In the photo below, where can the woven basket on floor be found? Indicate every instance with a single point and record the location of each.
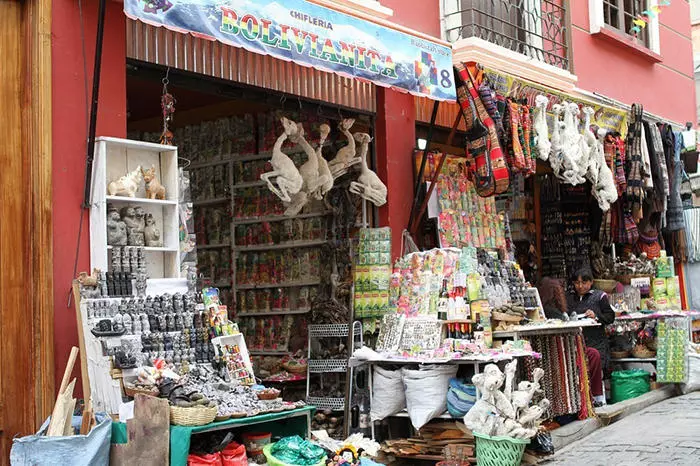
(499, 451)
(195, 416)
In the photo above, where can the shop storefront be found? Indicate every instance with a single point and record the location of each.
(277, 254)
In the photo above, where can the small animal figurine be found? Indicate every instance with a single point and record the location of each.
(151, 233)
(89, 280)
(154, 190)
(127, 185)
(116, 230)
(368, 185)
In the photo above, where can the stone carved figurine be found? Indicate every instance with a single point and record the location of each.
(116, 230)
(127, 185)
(284, 172)
(152, 233)
(154, 190)
(133, 227)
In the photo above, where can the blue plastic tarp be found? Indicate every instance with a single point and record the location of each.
(76, 450)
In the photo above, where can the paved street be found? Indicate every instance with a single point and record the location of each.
(667, 433)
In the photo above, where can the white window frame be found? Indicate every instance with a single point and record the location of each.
(597, 23)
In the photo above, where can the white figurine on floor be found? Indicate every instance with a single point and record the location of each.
(284, 172)
(368, 185)
(506, 413)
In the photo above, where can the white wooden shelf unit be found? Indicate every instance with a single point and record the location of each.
(113, 159)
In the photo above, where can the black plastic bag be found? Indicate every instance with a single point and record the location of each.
(542, 443)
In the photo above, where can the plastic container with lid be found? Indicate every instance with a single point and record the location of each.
(255, 442)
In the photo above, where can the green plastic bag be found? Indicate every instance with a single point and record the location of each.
(297, 451)
(629, 384)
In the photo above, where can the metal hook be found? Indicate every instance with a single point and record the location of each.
(165, 80)
(283, 99)
(299, 100)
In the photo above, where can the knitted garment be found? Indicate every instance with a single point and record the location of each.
(528, 142)
(488, 97)
(634, 194)
(647, 176)
(674, 214)
(516, 149)
(692, 233)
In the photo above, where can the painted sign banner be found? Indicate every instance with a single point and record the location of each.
(311, 35)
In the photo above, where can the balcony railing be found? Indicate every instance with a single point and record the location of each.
(537, 29)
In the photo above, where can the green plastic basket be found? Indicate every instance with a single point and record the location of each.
(499, 451)
(272, 461)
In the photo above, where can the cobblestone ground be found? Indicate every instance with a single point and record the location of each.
(667, 433)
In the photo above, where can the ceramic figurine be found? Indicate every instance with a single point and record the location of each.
(368, 185)
(154, 190)
(345, 158)
(151, 233)
(116, 230)
(284, 172)
(127, 185)
(89, 280)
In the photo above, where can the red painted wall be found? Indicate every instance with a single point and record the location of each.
(423, 15)
(69, 108)
(395, 141)
(666, 88)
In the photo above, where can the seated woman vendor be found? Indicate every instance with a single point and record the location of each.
(594, 304)
(558, 306)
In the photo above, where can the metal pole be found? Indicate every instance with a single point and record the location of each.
(93, 108)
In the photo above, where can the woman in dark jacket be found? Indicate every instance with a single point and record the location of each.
(594, 304)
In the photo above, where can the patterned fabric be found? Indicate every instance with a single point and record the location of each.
(516, 148)
(634, 194)
(674, 214)
(528, 141)
(585, 385)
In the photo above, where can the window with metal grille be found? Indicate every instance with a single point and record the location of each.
(534, 28)
(619, 14)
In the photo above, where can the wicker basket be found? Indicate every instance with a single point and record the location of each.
(642, 352)
(653, 344)
(194, 416)
(605, 285)
(268, 394)
(297, 369)
(620, 354)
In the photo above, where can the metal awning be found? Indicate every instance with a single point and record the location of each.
(314, 36)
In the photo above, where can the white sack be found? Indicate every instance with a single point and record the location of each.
(426, 392)
(387, 393)
(693, 383)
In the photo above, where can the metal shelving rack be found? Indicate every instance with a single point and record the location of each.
(327, 366)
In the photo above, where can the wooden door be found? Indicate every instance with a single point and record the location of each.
(26, 287)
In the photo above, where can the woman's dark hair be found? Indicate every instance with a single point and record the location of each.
(552, 294)
(584, 273)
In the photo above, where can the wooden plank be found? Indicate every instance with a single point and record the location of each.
(37, 144)
(61, 411)
(84, 375)
(148, 435)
